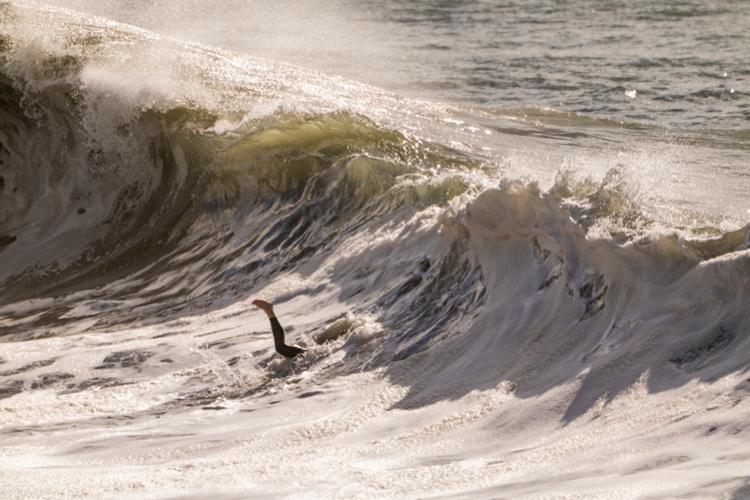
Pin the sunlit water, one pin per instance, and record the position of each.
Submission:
(512, 236)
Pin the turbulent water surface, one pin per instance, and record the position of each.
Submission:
(517, 252)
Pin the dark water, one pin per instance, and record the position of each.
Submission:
(676, 63)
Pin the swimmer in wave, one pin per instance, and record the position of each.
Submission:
(288, 351)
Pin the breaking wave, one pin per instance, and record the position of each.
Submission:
(134, 194)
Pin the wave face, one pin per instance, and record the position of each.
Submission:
(148, 185)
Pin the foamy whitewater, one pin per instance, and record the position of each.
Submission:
(497, 302)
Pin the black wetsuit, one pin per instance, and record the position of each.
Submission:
(288, 351)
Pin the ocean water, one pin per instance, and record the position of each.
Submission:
(685, 60)
(513, 237)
